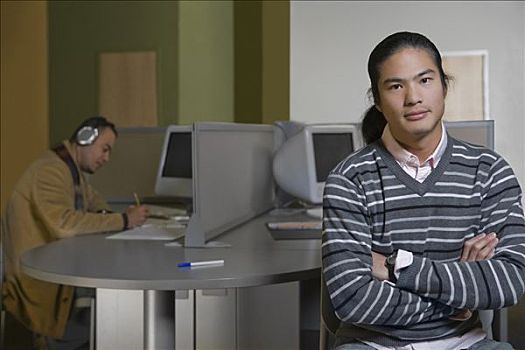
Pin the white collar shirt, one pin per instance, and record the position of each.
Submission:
(408, 161)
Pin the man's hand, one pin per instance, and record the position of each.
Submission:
(137, 215)
(379, 270)
(481, 247)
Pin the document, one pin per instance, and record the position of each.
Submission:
(152, 232)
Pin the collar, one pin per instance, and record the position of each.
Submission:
(404, 157)
(71, 150)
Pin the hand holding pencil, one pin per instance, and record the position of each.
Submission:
(137, 214)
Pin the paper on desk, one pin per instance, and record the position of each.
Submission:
(151, 232)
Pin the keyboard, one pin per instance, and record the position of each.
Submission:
(295, 225)
(167, 213)
(295, 229)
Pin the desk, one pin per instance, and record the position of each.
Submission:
(253, 259)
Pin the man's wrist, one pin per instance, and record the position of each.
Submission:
(126, 220)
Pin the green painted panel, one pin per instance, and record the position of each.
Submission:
(216, 60)
(248, 61)
(206, 61)
(80, 30)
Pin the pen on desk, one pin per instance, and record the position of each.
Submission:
(137, 200)
(200, 263)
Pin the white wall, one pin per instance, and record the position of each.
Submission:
(331, 41)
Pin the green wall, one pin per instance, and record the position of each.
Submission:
(80, 30)
(262, 61)
(206, 62)
(217, 60)
(248, 61)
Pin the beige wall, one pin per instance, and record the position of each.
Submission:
(331, 41)
(24, 88)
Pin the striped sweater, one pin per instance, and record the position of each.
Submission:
(371, 204)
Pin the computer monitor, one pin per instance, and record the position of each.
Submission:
(304, 160)
(174, 174)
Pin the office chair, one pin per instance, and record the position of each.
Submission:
(494, 322)
(329, 321)
(2, 310)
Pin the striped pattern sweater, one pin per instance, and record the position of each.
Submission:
(371, 204)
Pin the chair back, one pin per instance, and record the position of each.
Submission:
(2, 268)
(328, 318)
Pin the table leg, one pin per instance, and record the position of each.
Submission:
(159, 319)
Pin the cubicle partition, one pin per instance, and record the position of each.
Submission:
(132, 167)
(478, 132)
(232, 178)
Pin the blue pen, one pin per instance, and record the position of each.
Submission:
(200, 263)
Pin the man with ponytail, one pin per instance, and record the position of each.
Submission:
(420, 230)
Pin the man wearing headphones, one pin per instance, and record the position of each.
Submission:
(53, 200)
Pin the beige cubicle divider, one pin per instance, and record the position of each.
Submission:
(132, 167)
(478, 132)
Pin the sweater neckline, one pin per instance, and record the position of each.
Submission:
(421, 188)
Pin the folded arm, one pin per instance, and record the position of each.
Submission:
(485, 284)
(356, 295)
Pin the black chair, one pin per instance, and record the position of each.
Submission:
(329, 321)
(2, 310)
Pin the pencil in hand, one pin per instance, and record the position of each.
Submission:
(137, 200)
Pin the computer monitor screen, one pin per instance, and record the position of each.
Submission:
(177, 163)
(329, 150)
(174, 175)
(304, 160)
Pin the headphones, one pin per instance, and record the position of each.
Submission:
(86, 135)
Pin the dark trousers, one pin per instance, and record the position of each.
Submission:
(76, 335)
(18, 337)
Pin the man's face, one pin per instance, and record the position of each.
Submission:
(92, 157)
(412, 97)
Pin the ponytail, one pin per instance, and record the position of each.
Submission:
(373, 124)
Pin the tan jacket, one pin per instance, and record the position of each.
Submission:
(41, 210)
